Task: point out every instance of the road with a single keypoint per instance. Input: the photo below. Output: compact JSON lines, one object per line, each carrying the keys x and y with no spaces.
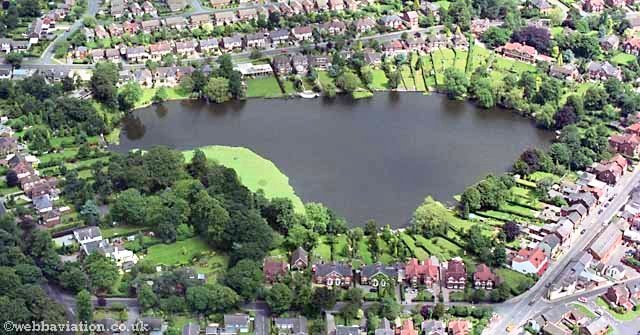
{"x":518,"y":310}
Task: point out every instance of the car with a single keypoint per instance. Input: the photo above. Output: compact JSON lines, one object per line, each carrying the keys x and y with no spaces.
{"x":583,"y":231}
{"x":600,"y":211}
{"x":373,"y":290}
{"x":582,"y":300}
{"x":510,"y":328}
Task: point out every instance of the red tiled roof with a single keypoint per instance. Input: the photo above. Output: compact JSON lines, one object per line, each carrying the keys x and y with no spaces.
{"x":521,"y":48}
{"x":483,"y":273}
{"x":415,"y":269}
{"x":535,"y":256}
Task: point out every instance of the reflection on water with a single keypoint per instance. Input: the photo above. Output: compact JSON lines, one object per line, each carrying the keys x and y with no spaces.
{"x":372,"y":158}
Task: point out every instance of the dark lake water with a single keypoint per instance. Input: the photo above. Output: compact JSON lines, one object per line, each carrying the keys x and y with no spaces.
{"x":374,"y":158}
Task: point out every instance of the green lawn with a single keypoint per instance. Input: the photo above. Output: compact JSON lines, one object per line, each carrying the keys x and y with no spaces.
{"x":379,"y":80}
{"x":173,"y":93}
{"x":584,"y":309}
{"x":178,"y":253}
{"x":119,"y":231}
{"x":254,"y":171}
{"x":439,"y":247}
{"x":417,"y":251}
{"x":628,"y":316}
{"x":266,"y":87}
{"x":622,"y":58}
{"x":516,"y":281}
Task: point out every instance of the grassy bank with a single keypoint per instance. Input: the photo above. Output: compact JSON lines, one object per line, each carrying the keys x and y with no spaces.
{"x":254,"y":171}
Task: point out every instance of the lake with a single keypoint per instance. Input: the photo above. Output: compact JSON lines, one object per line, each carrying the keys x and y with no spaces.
{"x":374,"y":158}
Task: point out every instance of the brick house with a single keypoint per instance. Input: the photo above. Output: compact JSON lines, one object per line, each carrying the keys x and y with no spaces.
{"x":332,"y":274}
{"x":484,"y":278}
{"x":529,"y":260}
{"x":299,"y":259}
{"x":619,"y":296}
{"x":610,"y":171}
{"x":392,"y":22}
{"x":459,"y":327}
{"x":422,"y":273}
{"x":519,"y":51}
{"x":378,"y":275}
{"x":455,"y":274}
{"x":593,"y":6}
{"x":412,"y":19}
{"x":626,"y":144}
{"x":302,"y":33}
{"x":632,"y":46}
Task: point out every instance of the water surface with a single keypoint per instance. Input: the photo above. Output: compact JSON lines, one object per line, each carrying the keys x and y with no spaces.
{"x":369,"y":159}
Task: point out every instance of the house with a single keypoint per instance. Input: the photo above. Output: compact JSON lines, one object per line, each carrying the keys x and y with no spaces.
{"x":587,"y":199}
{"x":236,"y":323}
{"x":632,"y":45}
{"x":607,"y":242}
{"x":300,"y":63}
{"x":148,"y":8}
{"x":279,"y":36}
{"x":412,"y":19}
{"x":175,"y":22}
{"x":530,"y":260}
{"x":296,"y":7}
{"x":610,"y":171}
{"x":153,"y":326}
{"x":131,"y":27}
{"x":543,"y":6}
{"x":217,"y":4}
{"x":186,"y":48}
{"x":321,"y":4}
{"x":555,"y":329}
{"x":208,"y":45}
{"x":431,"y":9}
{"x":302,"y":33}
{"x":281,"y":65}
{"x":418,"y":273}
{"x":484,"y":278}
{"x":291,"y":326}
{"x":372,"y":58}
{"x":392,"y":22}
{"x":550,"y":244}
{"x":247,"y":14}
{"x":617,"y":272}
{"x":378,"y":275}
{"x":347,"y":330}
{"x":101,"y":33}
{"x":393,"y":48}
{"x":115,"y":30}
{"x":601,"y":71}
{"x":87,"y":235}
{"x":274,"y":269}
{"x":609,"y":42}
{"x":627,"y":144}
{"x":519,"y":51}
{"x":135,"y":54}
{"x":157,"y":50}
{"x":351,"y":5}
{"x":432,"y":327}
{"x":332,"y":274}
{"x":565,"y":71}
{"x":232,"y":42}
{"x":319,"y":62}
{"x":198,"y":20}
{"x":334,"y":27}
{"x":575,"y":317}
{"x":191,"y":328}
{"x":364,"y":24}
{"x":143,"y":77}
{"x":407,"y":328}
{"x":43,"y":203}
{"x":150,"y":26}
{"x":599,"y":326}
{"x":253,"y":70}
{"x":455,"y":274}
{"x":385,"y":328}
{"x":299,"y":259}
{"x":224,"y":18}
{"x":176,"y":5}
{"x":336,"y":5}
{"x":8,"y":145}
{"x":615,"y":3}
{"x":459,"y":327}
{"x":593,"y":6}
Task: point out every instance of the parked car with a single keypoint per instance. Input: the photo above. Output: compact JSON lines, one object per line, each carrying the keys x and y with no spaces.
{"x":582,"y":300}
{"x":583,"y":231}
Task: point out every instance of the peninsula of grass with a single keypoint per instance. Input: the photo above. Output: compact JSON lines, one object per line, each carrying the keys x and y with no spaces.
{"x":254,"y":171}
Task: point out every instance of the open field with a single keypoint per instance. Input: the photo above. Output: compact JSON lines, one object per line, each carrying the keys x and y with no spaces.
{"x":254,"y":171}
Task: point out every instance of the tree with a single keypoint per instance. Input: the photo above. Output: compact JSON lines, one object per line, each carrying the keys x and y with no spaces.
{"x":129,"y":95}
{"x":279,"y":298}
{"x":103,"y":83}
{"x":14,"y":58}
{"x":245,"y":278}
{"x":146,"y":297}
{"x":347,"y":81}
{"x":102,"y":271}
{"x":161,"y":95}
{"x":90,"y":213}
{"x":535,"y":36}
{"x":84,"y":307}
{"x":217,"y":89}
{"x":323,"y":298}
{"x":209,"y":217}
{"x":73,"y":278}
{"x":511,"y":230}
{"x":471,"y":199}
{"x":163,"y":167}
{"x":456,"y":83}
{"x":496,"y":36}
{"x":12,"y":178}
{"x":595,"y":98}
{"x":484,"y":93}
{"x":129,"y":208}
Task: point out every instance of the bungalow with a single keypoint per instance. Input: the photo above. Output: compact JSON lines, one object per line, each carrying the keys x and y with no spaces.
{"x":282,"y":65}
{"x":455,"y":274}
{"x":186,"y":48}
{"x":232,"y":42}
{"x":484,"y":278}
{"x":602,"y":248}
{"x":302,"y":33}
{"x":274,"y":269}
{"x":336,"y":5}
{"x":332,"y":274}
{"x":157,"y":50}
{"x":299,"y":259}
{"x":392,"y":22}
{"x":412,"y":19}
{"x":248,"y":14}
{"x":208,"y":45}
{"x":609,"y":42}
{"x":519,"y":51}
{"x":217,"y":4}
{"x":422,"y":273}
{"x":619,"y":296}
{"x":198,"y":20}
{"x":632,"y":46}
{"x":224,"y":18}
{"x":459,"y":327}
{"x":378,"y":275}
{"x":565,"y":71}
{"x":280,"y":36}
{"x":529,"y":260}
{"x":593,"y":6}
{"x":626,"y":144}
{"x":175,"y":22}
{"x":602,"y":71}
{"x":136,"y":54}
{"x":364,"y":24}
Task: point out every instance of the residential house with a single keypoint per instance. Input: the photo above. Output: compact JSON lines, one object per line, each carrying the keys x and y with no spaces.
{"x":455,"y":274}
{"x":555,"y":329}
{"x":43,"y":203}
{"x":543,"y":6}
{"x":319,"y":62}
{"x":459,"y":327}
{"x":278,"y":37}
{"x":632,"y":45}
{"x":247,"y":14}
{"x":232,"y":42}
{"x":299,"y":259}
{"x":100,"y":32}
{"x":334,"y":27}
{"x":136,"y":54}
{"x":365,"y":24}
{"x":159,"y":49}
{"x":23,"y":170}
{"x":601,"y":71}
{"x":616,"y":272}
{"x":87,"y":235}
{"x":143,"y":77}
{"x":321,"y":4}
{"x":565,"y":71}
{"x":170,"y":75}
{"x":291,"y":326}
{"x":393,"y":48}
{"x":186,"y":48}
{"x":332,"y":274}
{"x":407,"y":328}
{"x":300,"y":63}
{"x":336,"y":5}
{"x":432,"y":327}
{"x":411,"y":17}
{"x":150,"y":26}
{"x":296,"y":7}
{"x":208,"y":45}
{"x":519,"y":51}
{"x":606,"y":243}
{"x":585,"y":198}
{"x":627,"y":144}
{"x":392,"y":21}
{"x":378,"y":275}
{"x":610,"y":171}
{"x":8,"y":145}
{"x":484,"y":278}
{"x":198,"y":20}
{"x":530,"y":260}
{"x":153,"y":326}
{"x":176,"y":5}
{"x":115,"y":30}
{"x":593,"y":6}
{"x":575,"y":318}
{"x":385,"y":328}
{"x":274,"y":269}
{"x":609,"y":42}
{"x":175,"y":22}
{"x":352,"y":5}
{"x":431,"y":9}
{"x":550,"y":244}
{"x":224,"y":18}
{"x":191,"y":328}
{"x":599,"y":326}
{"x":236,"y":323}
{"x":372,"y":58}
{"x":148,"y":8}
{"x":347,"y":330}
{"x":131,"y":27}
{"x":422,"y":273}
{"x":302,"y":33}
{"x":615,"y":3}
{"x":282,"y":65}
{"x":217,"y":4}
